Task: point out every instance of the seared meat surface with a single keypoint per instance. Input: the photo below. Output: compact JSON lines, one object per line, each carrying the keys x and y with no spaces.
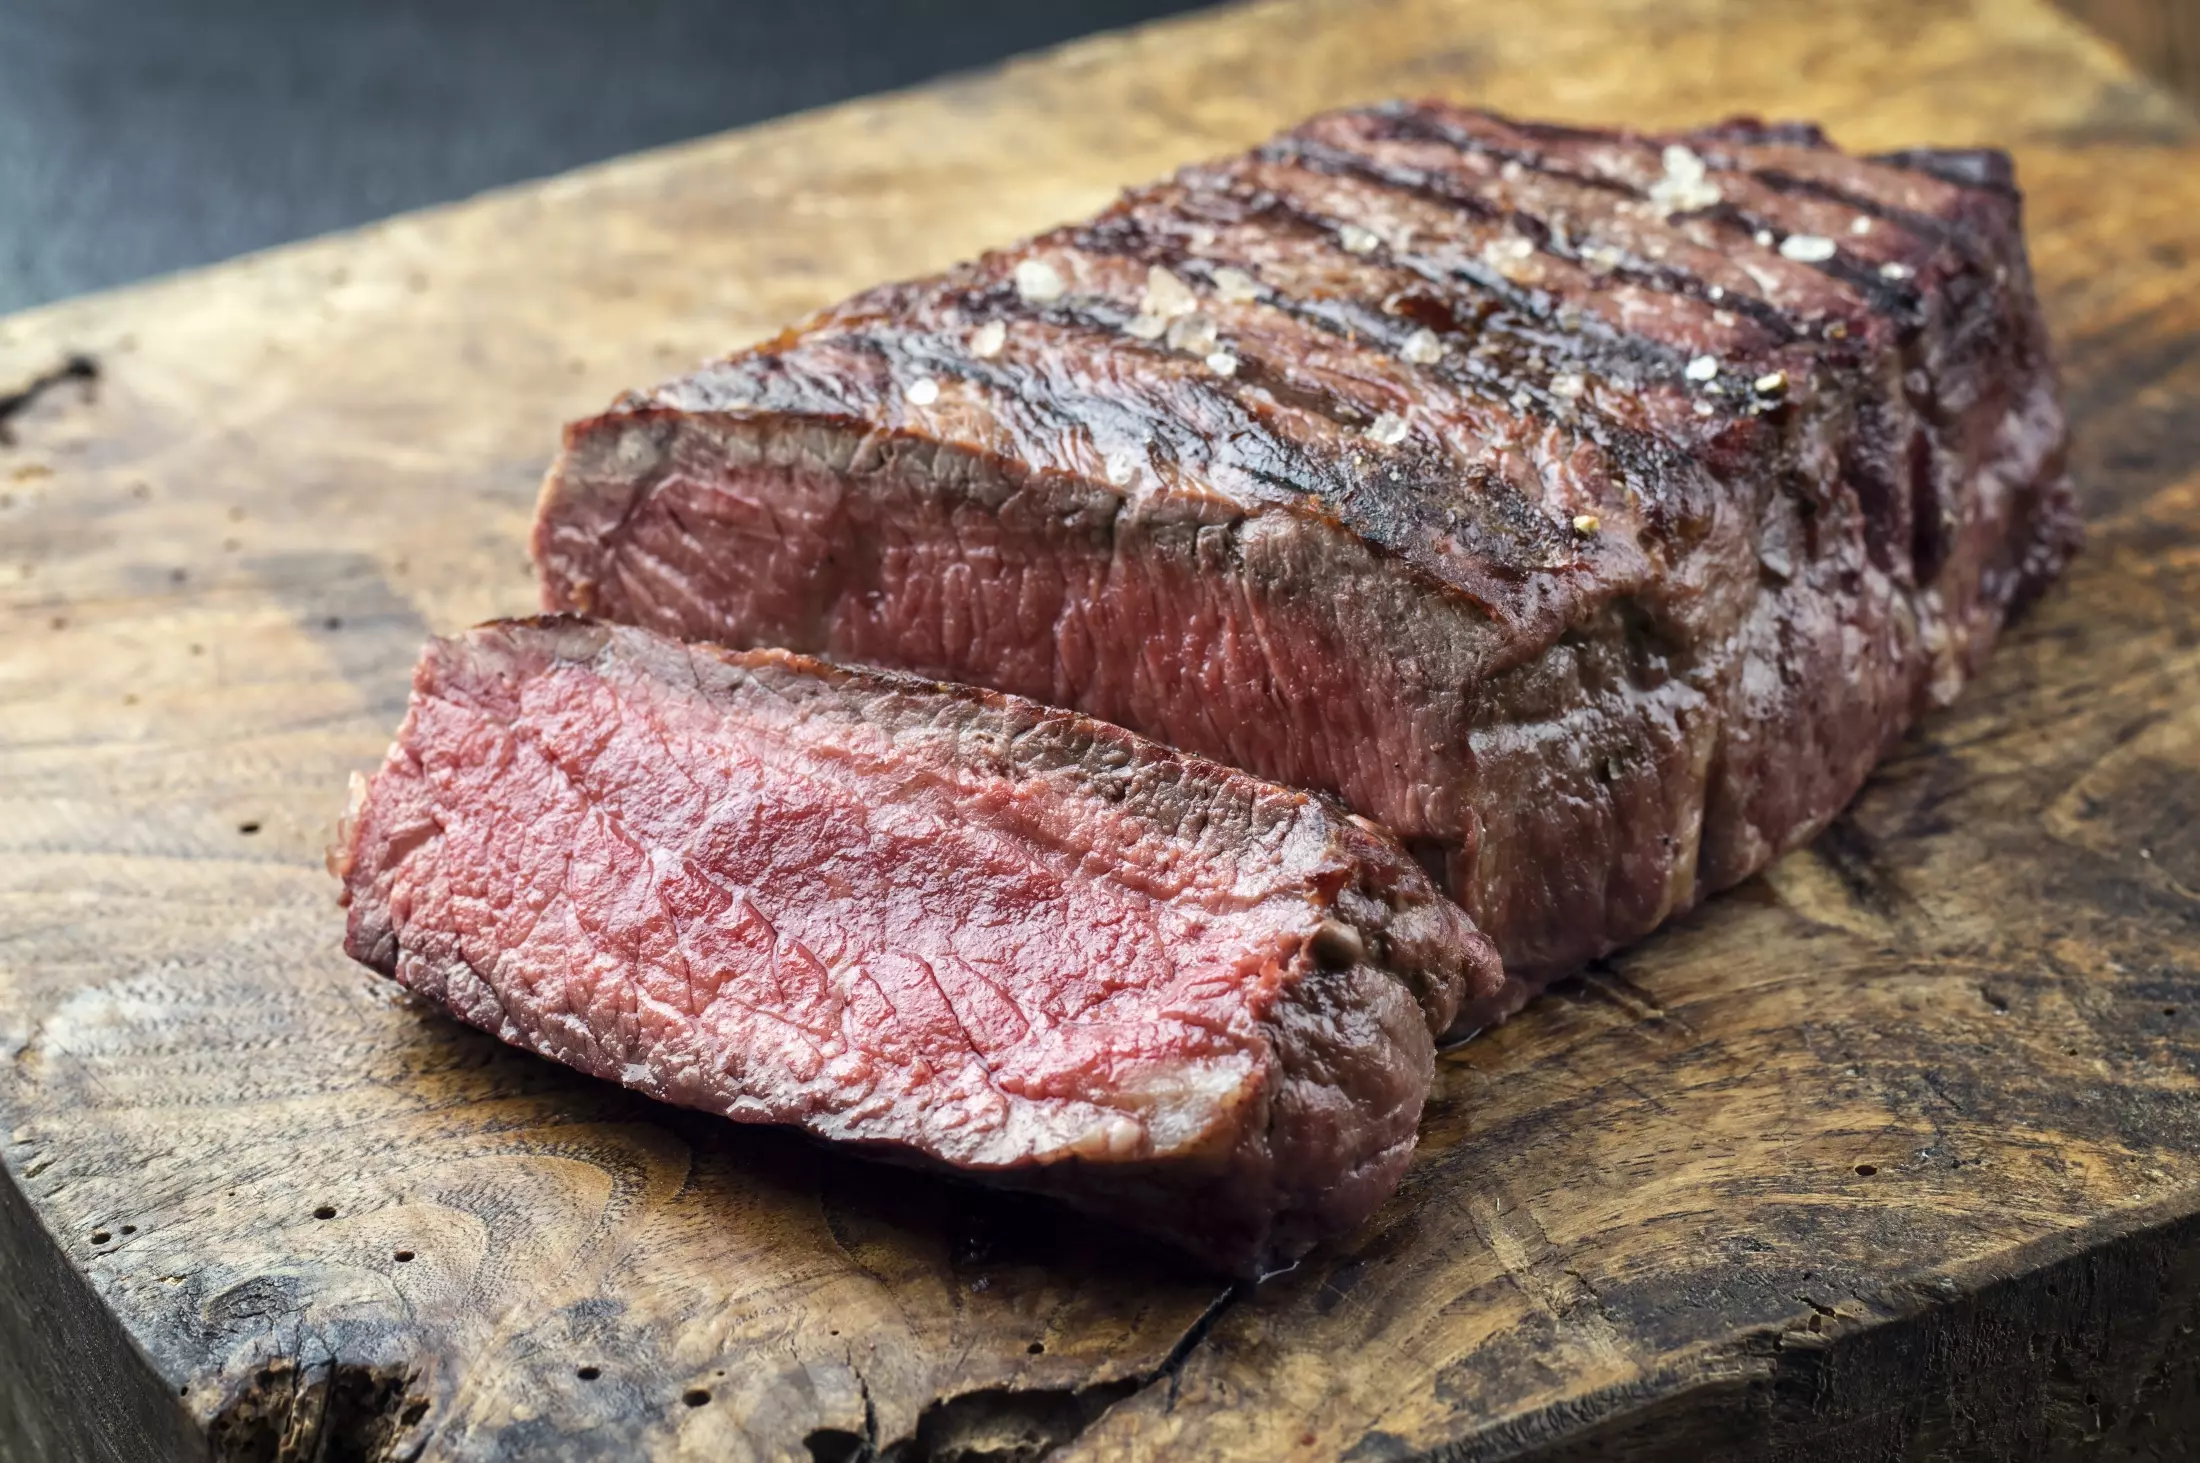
{"x":1592,"y":508}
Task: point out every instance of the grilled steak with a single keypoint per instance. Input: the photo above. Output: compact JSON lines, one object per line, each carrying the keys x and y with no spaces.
{"x":956,"y":926}
{"x":1591,"y":508}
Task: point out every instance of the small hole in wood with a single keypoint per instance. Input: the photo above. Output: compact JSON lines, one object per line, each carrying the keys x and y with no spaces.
{"x":129,"y":1229}
{"x":589,"y":1373}
{"x":1866,"y":1170}
{"x":695,"y":1397}
{"x":404,"y":1257}
{"x":100,"y":1236}
{"x":333,"y":622}
{"x":248,"y":829}
{"x":1036,"y":1348}
{"x":2169,"y":1010}
{"x":326,"y":1211}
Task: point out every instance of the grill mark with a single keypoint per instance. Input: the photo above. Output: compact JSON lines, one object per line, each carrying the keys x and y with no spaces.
{"x":1407,"y":502}
{"x":1640,"y":463}
{"x":1632,"y":268}
{"x":1414,"y":126}
{"x":1879,"y":296}
{"x":1630,"y":359}
{"x":1924,"y":225}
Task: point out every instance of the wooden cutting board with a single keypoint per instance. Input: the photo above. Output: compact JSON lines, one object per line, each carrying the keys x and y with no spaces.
{"x":1893,"y":1151}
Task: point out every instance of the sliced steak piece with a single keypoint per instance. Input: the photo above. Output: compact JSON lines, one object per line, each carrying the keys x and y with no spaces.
{"x":1591,"y":508}
{"x":952,"y":925}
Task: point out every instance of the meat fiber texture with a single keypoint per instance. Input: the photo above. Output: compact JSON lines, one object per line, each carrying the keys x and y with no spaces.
{"x":1591,"y":508}
{"x":955,"y":926}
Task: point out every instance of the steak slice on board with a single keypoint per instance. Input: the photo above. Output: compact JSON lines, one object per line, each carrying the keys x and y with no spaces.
{"x":953,"y":926}
{"x":1592,"y":508}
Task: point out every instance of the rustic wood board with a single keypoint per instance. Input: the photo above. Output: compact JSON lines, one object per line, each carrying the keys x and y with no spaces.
{"x":1895,"y":1151}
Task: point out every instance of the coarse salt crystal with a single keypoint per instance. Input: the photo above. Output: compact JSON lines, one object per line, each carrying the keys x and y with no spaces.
{"x":1702,"y":368}
{"x":1422,"y":348}
{"x":1684,"y":188}
{"x":1602,"y":259}
{"x":1122,"y":465}
{"x":1861,"y":224}
{"x":1146,"y":327}
{"x":1038,"y":282}
{"x":1763,"y":238}
{"x":1357,"y":240}
{"x":1222,"y":363}
{"x":1807,"y":248}
{"x":1585,"y":524}
{"x":1771,"y":382}
{"x":1388,"y":430}
{"x":1893,"y":270}
{"x":1704,"y":408}
{"x":1568,"y":384}
{"x":1193,"y":334}
{"x":922,"y":392}
{"x":1166,"y":295}
{"x":986,"y":341}
{"x":1235,"y":286}
{"x":1716,"y":292}
{"x":1681,"y":164}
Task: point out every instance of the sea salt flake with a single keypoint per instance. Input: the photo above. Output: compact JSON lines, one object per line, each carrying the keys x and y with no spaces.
{"x":1422,"y":348}
{"x":1861,"y":224}
{"x":1387,"y":430}
{"x":1357,"y":240}
{"x":1222,"y":363}
{"x":1235,"y":286}
{"x":1702,"y":368}
{"x":1807,"y":248}
{"x":1166,"y":295}
{"x":1704,"y":408}
{"x":922,"y":392}
{"x":1763,"y":238}
{"x":1568,"y":384}
{"x":1895,"y":270}
{"x":986,"y":341}
{"x":1038,"y":282}
{"x":1122,"y":465}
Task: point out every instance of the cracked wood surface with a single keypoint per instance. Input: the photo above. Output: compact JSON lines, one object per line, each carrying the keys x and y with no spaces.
{"x":1895,"y":1150}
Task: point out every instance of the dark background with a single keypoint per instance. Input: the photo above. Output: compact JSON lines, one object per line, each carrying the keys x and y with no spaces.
{"x":140,"y":136}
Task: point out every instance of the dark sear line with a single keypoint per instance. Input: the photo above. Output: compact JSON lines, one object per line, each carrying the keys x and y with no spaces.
{"x":1406,"y":122}
{"x":1924,"y":225}
{"x":1520,"y":385}
{"x":1963,"y":167}
{"x":1881,"y":297}
{"x":1412,"y":502}
{"x":1587,"y":341}
{"x":1628,"y":267}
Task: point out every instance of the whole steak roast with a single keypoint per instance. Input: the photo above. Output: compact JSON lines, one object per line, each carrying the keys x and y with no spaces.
{"x":1590,"y":508}
{"x":951,"y":925}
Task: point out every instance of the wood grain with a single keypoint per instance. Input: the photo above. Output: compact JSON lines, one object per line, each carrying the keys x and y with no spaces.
{"x":2162,"y":37}
{"x":1895,"y":1151}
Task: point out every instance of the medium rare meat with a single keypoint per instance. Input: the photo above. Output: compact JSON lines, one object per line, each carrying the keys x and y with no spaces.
{"x":1591,"y":508}
{"x":951,"y":925}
